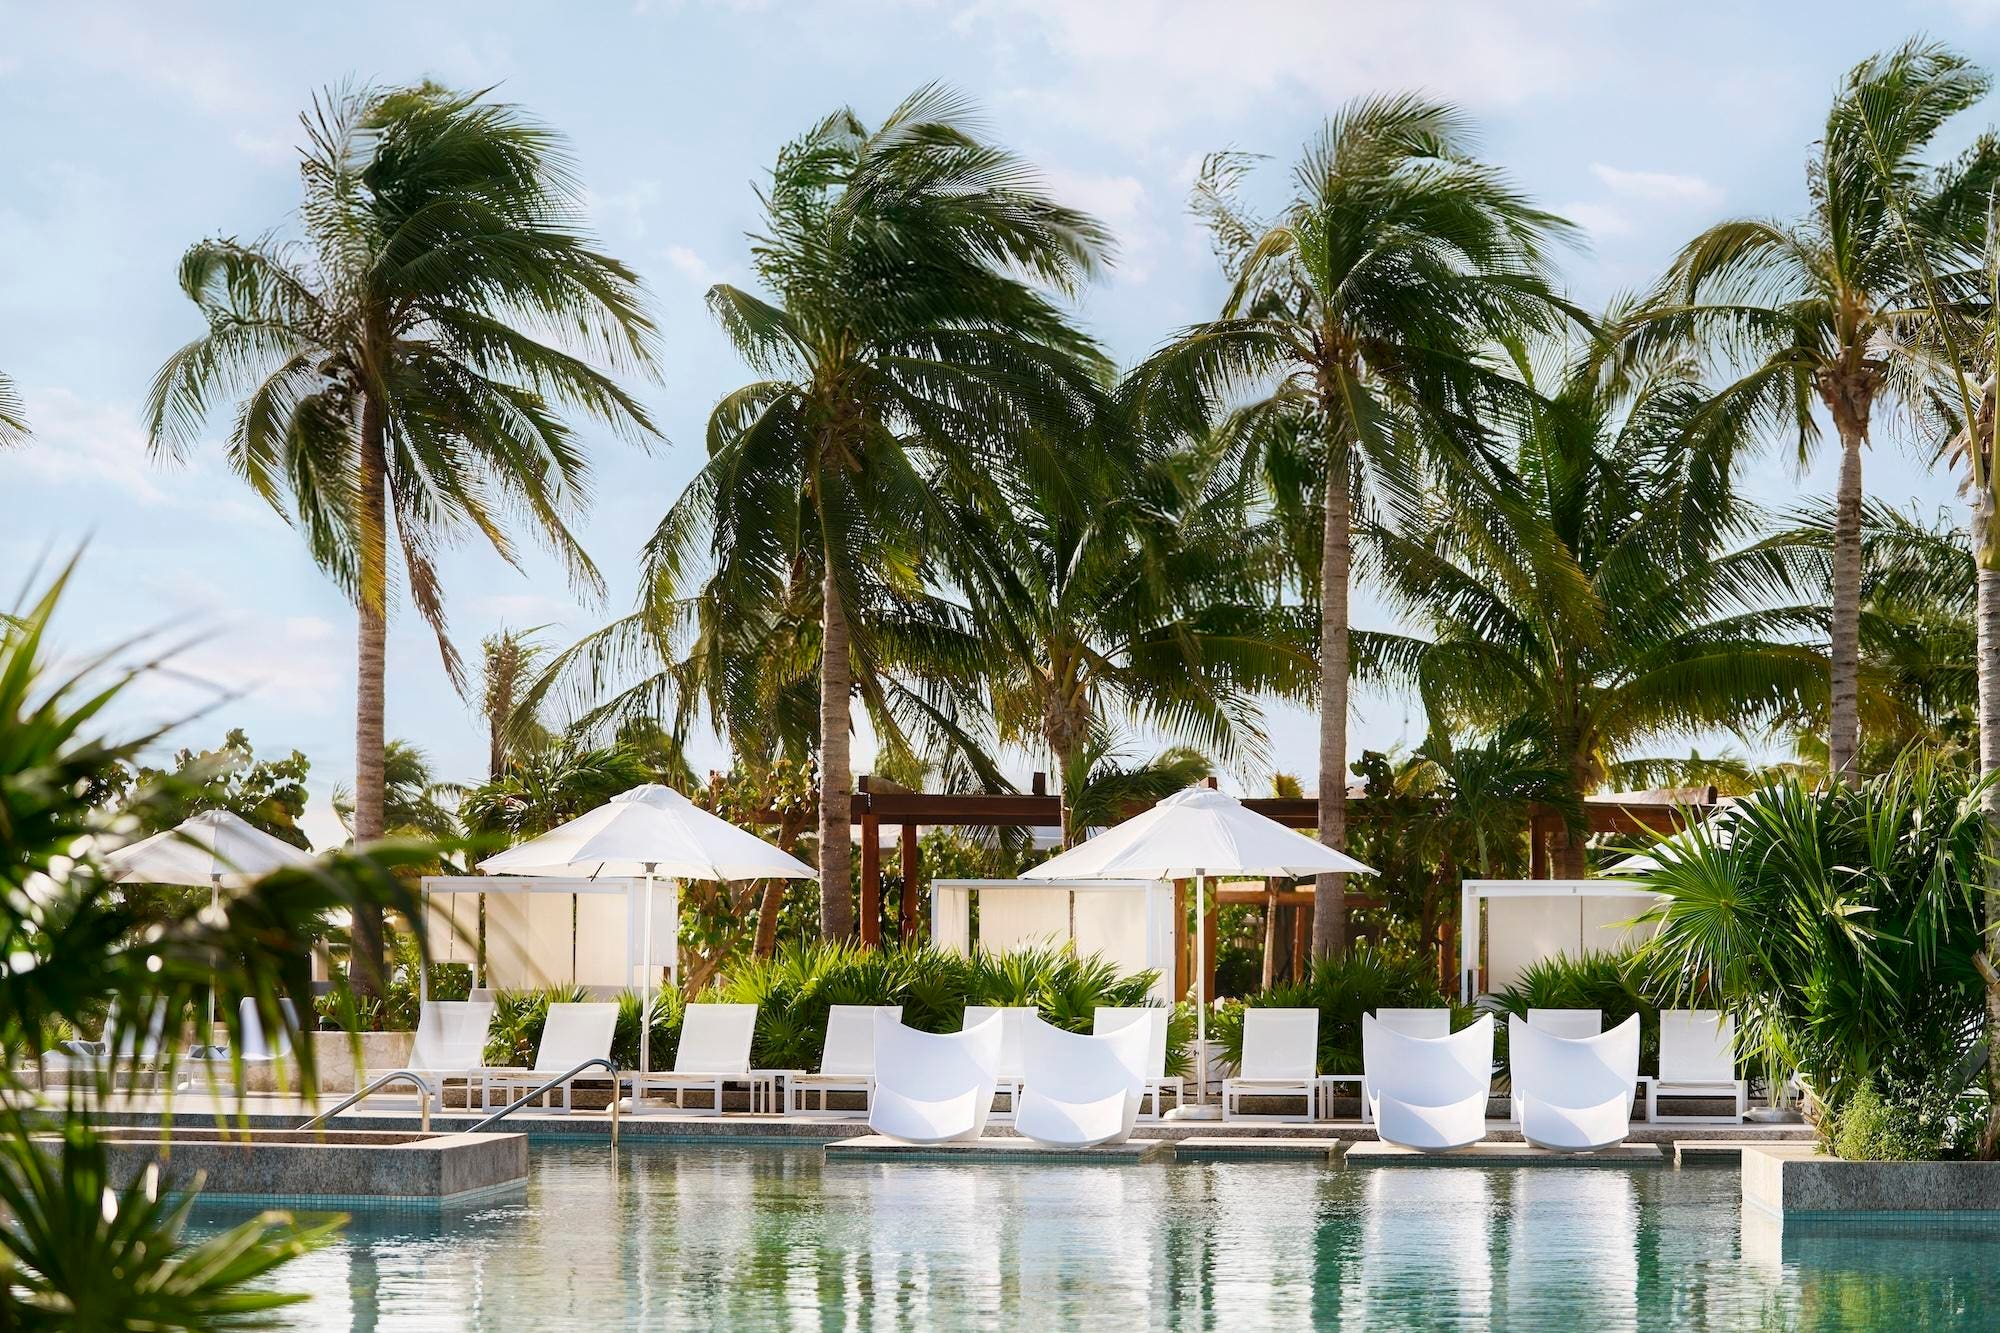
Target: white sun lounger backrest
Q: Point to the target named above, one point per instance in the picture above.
(254, 1044)
(451, 1034)
(1697, 1046)
(1014, 1020)
(125, 1044)
(850, 1038)
(715, 1039)
(1280, 1044)
(1574, 1093)
(1416, 1022)
(933, 1087)
(1427, 1071)
(575, 1033)
(1567, 1022)
(1109, 1019)
(1081, 1091)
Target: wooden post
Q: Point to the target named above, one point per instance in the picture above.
(1302, 929)
(1538, 849)
(1183, 971)
(1270, 933)
(871, 881)
(911, 866)
(1208, 952)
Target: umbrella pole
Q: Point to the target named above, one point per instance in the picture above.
(1200, 992)
(214, 906)
(646, 995)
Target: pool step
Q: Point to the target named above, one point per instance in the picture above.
(1219, 1149)
(1502, 1154)
(882, 1148)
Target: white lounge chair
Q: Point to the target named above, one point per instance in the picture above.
(137, 1051)
(1428, 1093)
(450, 1045)
(1280, 1059)
(1014, 1020)
(1697, 1059)
(714, 1052)
(1435, 1022)
(846, 1062)
(253, 1046)
(933, 1087)
(1081, 1091)
(1567, 1022)
(1573, 1094)
(1109, 1019)
(571, 1034)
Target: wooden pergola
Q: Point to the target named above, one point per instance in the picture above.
(879, 802)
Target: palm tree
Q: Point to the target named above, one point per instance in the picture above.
(508, 662)
(909, 334)
(551, 786)
(1820, 311)
(1595, 594)
(1360, 313)
(1133, 594)
(408, 365)
(415, 804)
(13, 423)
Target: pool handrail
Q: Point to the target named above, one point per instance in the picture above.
(393, 1076)
(551, 1085)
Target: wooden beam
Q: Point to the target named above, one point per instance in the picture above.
(912, 865)
(1183, 973)
(871, 881)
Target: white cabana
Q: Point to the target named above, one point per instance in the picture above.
(647, 833)
(1528, 920)
(1194, 834)
(1129, 921)
(214, 848)
(544, 931)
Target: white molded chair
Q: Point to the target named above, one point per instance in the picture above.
(1008, 1074)
(1109, 1019)
(450, 1044)
(571, 1034)
(137, 1051)
(933, 1087)
(714, 1051)
(1280, 1059)
(1697, 1059)
(846, 1062)
(256, 1047)
(1081, 1091)
(1424, 1092)
(1573, 1094)
(1567, 1022)
(1428, 1023)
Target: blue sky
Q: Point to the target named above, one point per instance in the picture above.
(127, 132)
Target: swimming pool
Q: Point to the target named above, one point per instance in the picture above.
(764, 1237)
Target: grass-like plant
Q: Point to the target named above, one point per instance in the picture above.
(1363, 979)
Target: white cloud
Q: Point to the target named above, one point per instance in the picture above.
(298, 667)
(271, 150)
(520, 609)
(624, 210)
(1122, 204)
(81, 443)
(1597, 219)
(693, 267)
(1657, 186)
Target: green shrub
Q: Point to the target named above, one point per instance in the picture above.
(1364, 979)
(1612, 983)
(1902, 1122)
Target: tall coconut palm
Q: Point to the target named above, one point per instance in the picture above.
(1130, 591)
(509, 662)
(407, 366)
(1598, 594)
(907, 333)
(1359, 315)
(1817, 312)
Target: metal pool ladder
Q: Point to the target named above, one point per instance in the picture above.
(424, 1095)
(550, 1086)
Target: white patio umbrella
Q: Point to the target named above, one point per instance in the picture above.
(646, 832)
(1191, 835)
(216, 848)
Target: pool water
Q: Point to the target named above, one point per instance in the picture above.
(675, 1237)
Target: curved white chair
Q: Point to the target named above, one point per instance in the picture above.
(1153, 1017)
(1428, 1093)
(1573, 1094)
(1081, 1091)
(933, 1087)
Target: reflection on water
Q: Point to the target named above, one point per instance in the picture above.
(749, 1238)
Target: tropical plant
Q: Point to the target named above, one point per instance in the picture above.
(910, 333)
(508, 662)
(1613, 984)
(1125, 590)
(1358, 982)
(1597, 597)
(13, 421)
(1841, 926)
(1823, 311)
(1101, 785)
(268, 794)
(407, 367)
(82, 1249)
(415, 804)
(550, 786)
(1361, 314)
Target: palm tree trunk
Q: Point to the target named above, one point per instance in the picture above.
(1844, 731)
(836, 779)
(1987, 615)
(365, 961)
(1330, 891)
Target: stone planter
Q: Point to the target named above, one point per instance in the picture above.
(333, 1052)
(1795, 1181)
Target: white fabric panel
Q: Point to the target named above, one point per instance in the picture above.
(1011, 919)
(1521, 931)
(1603, 928)
(951, 919)
(452, 919)
(511, 961)
(1113, 924)
(665, 952)
(600, 940)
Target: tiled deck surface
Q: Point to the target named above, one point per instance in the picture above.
(1385, 1155)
